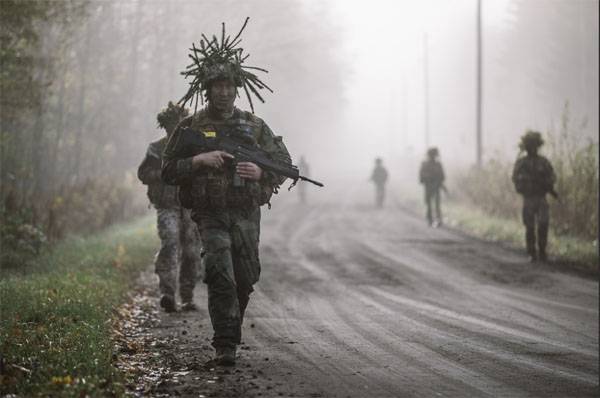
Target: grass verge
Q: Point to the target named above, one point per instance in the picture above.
(575, 252)
(55, 313)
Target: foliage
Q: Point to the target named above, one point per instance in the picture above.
(20, 240)
(92, 205)
(55, 327)
(81, 83)
(575, 163)
(578, 253)
(88, 207)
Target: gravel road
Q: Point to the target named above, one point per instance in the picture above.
(359, 302)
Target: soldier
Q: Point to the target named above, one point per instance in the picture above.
(431, 175)
(178, 234)
(304, 169)
(379, 178)
(225, 197)
(534, 177)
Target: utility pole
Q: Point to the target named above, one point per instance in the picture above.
(479, 99)
(426, 87)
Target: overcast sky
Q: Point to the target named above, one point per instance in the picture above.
(384, 47)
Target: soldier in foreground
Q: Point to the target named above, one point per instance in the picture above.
(180, 241)
(534, 177)
(379, 178)
(431, 175)
(225, 195)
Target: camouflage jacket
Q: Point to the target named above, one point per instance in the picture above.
(210, 188)
(160, 194)
(431, 174)
(533, 176)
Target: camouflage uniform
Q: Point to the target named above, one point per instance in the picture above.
(379, 177)
(178, 234)
(431, 175)
(534, 177)
(228, 217)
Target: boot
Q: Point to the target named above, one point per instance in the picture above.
(225, 356)
(189, 306)
(167, 302)
(187, 301)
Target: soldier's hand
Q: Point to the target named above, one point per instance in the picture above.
(214, 159)
(249, 171)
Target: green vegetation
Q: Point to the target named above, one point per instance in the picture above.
(575, 163)
(56, 312)
(577, 252)
(488, 206)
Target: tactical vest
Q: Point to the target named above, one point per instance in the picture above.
(222, 188)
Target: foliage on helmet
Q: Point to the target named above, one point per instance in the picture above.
(531, 139)
(172, 114)
(221, 59)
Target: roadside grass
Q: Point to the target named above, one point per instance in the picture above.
(56, 312)
(574, 251)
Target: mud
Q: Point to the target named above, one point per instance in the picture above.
(357, 302)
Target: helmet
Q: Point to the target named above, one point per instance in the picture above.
(433, 152)
(531, 139)
(171, 115)
(216, 59)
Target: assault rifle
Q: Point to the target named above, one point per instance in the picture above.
(192, 142)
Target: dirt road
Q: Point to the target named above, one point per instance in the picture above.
(359, 302)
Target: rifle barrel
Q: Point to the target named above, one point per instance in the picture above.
(313, 181)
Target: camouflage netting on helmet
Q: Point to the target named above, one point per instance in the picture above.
(171, 114)
(531, 139)
(221, 59)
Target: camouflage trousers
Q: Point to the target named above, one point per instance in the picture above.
(536, 212)
(432, 198)
(179, 244)
(230, 242)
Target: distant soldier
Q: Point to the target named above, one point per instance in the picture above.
(431, 175)
(304, 170)
(379, 178)
(180, 239)
(534, 177)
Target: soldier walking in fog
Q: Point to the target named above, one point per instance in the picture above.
(305, 170)
(431, 175)
(225, 195)
(379, 178)
(180, 240)
(534, 177)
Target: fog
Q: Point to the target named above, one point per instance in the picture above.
(349, 77)
(352, 80)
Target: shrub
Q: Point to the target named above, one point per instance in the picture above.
(27, 225)
(20, 241)
(575, 162)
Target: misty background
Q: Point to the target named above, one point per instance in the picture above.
(83, 81)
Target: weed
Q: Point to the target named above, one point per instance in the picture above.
(56, 313)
